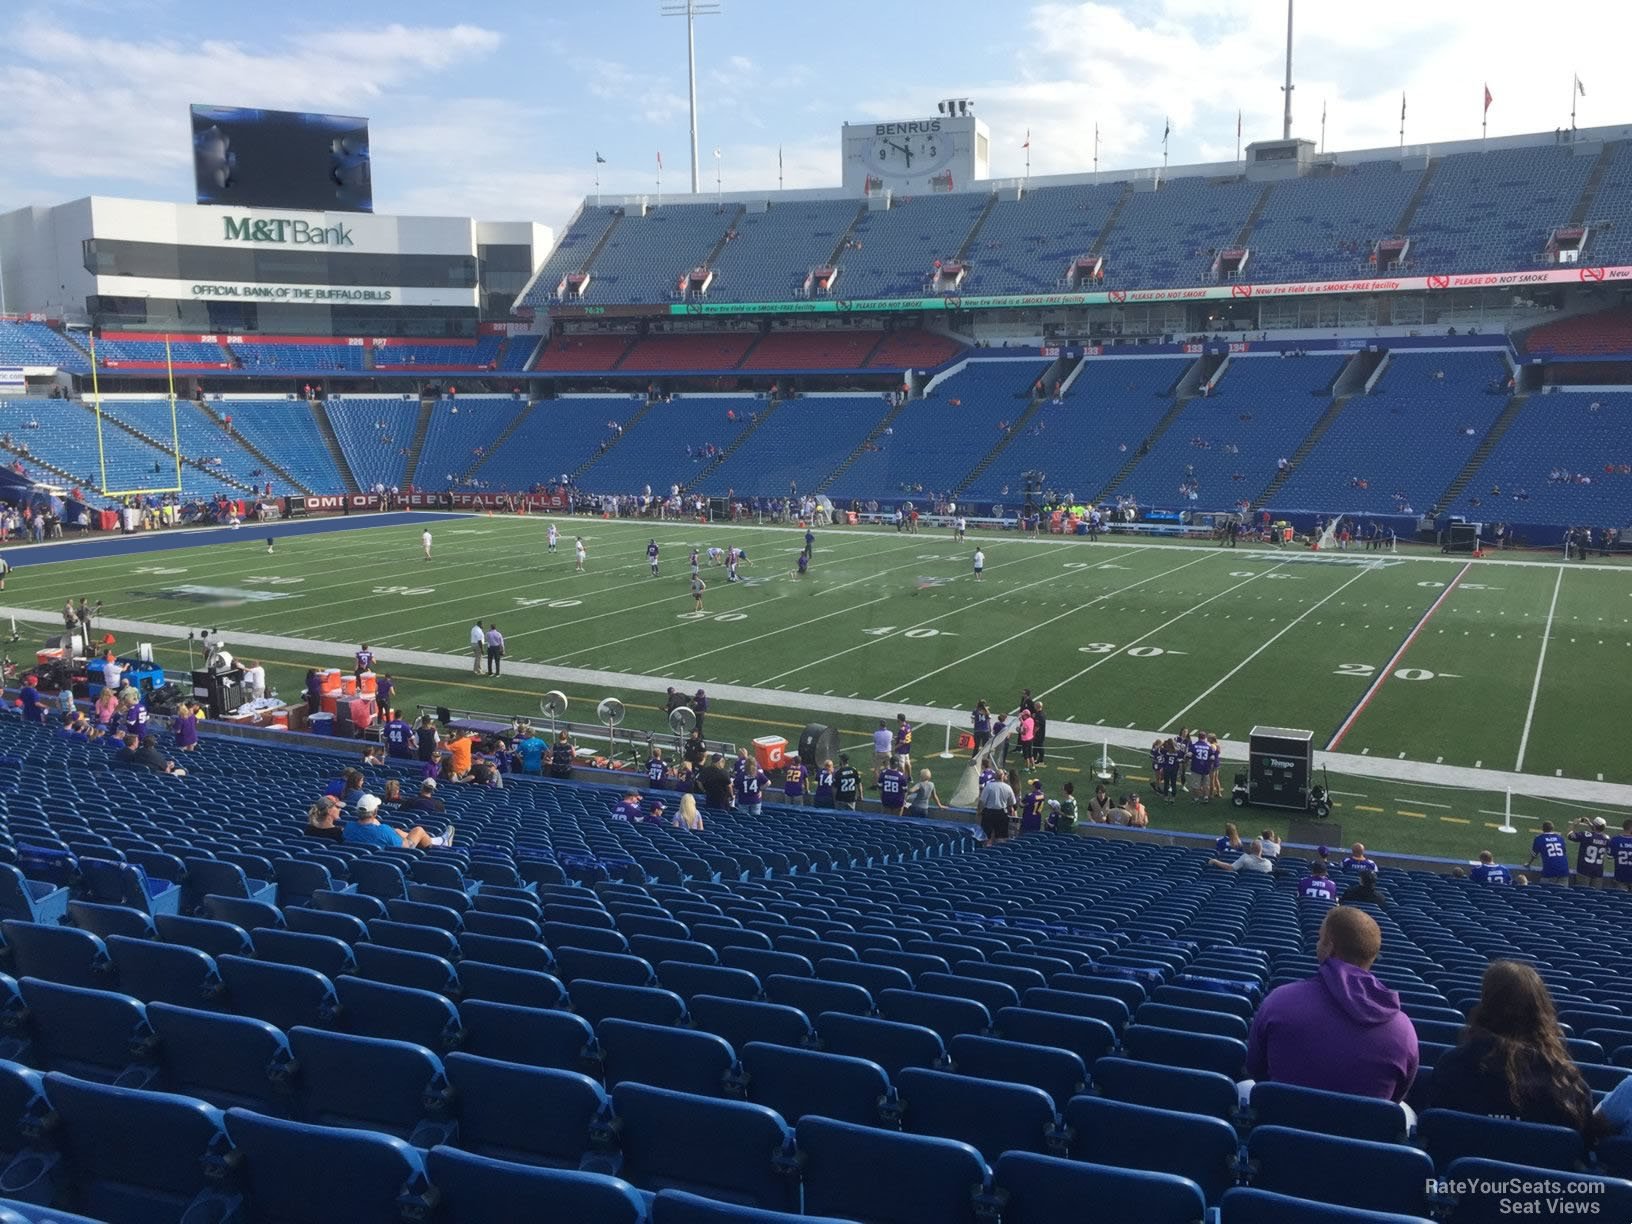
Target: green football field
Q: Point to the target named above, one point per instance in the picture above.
(1470, 666)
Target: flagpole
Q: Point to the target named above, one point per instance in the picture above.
(1238, 139)
(1028, 158)
(660, 180)
(779, 167)
(1575, 92)
(1484, 120)
(1323, 125)
(1402, 121)
(597, 180)
(1096, 153)
(1167, 128)
(719, 191)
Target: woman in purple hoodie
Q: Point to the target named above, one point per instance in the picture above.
(1341, 1030)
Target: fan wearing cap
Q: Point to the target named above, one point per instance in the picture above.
(366, 830)
(1594, 849)
(426, 800)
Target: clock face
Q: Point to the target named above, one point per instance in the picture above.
(913, 155)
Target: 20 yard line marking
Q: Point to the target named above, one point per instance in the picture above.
(1386, 672)
(1541, 660)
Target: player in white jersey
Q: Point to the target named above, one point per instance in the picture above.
(959, 527)
(554, 536)
(579, 553)
(425, 542)
(980, 563)
(716, 556)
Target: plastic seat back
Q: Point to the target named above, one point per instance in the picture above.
(861, 1172)
(991, 1116)
(798, 1083)
(731, 1150)
(1379, 1176)
(474, 1187)
(680, 1059)
(401, 1013)
(383, 1175)
(1047, 1189)
(1160, 1140)
(225, 1060)
(373, 1083)
(1059, 1073)
(526, 1035)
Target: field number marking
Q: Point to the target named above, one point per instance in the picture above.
(547, 603)
(1133, 652)
(886, 630)
(404, 590)
(1364, 670)
(713, 616)
(273, 580)
(161, 569)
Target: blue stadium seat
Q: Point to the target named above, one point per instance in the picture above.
(137, 1155)
(282, 995)
(862, 1173)
(597, 1001)
(872, 978)
(680, 1059)
(657, 949)
(208, 936)
(890, 1045)
(1198, 1051)
(411, 937)
(1378, 1176)
(1129, 991)
(29, 1169)
(105, 920)
(378, 1009)
(678, 1207)
(740, 1021)
(1088, 1039)
(1111, 1010)
(213, 877)
(384, 1177)
(799, 1083)
(765, 964)
(730, 1150)
(92, 1034)
(520, 925)
(225, 1060)
(526, 1035)
(1448, 1135)
(1058, 1072)
(1582, 1195)
(476, 1189)
(1191, 1020)
(991, 1116)
(29, 900)
(947, 1015)
(1244, 1205)
(419, 913)
(688, 980)
(1159, 1140)
(59, 954)
(246, 912)
(357, 904)
(329, 956)
(164, 973)
(372, 1083)
(1328, 1113)
(418, 970)
(128, 884)
(576, 963)
(1047, 1189)
(502, 950)
(298, 879)
(502, 984)
(529, 1115)
(814, 996)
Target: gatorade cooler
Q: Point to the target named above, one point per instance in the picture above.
(280, 721)
(768, 750)
(348, 686)
(331, 679)
(329, 703)
(367, 684)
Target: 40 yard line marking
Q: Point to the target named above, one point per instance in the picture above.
(1541, 661)
(1387, 671)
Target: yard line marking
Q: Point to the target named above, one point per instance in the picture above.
(1418, 802)
(1541, 660)
(931, 620)
(1290, 625)
(1360, 807)
(1348, 794)
(1032, 628)
(1478, 764)
(1455, 820)
(1386, 672)
(1418, 815)
(1173, 620)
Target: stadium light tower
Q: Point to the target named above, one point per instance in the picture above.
(1286, 115)
(691, 10)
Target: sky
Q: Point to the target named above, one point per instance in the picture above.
(498, 110)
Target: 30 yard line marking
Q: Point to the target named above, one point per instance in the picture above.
(1386, 672)
(1541, 660)
(1290, 625)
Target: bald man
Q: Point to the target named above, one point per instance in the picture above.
(1341, 1030)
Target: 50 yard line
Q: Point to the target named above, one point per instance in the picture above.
(1541, 661)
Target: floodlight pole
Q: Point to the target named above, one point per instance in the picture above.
(691, 10)
(1286, 114)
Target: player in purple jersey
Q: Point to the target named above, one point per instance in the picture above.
(365, 659)
(657, 769)
(892, 788)
(1594, 849)
(793, 779)
(628, 811)
(751, 789)
(651, 556)
(1488, 871)
(1318, 885)
(1201, 766)
(1554, 855)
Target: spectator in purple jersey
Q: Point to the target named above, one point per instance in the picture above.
(1341, 1030)
(1357, 860)
(1488, 871)
(1318, 885)
(1554, 854)
(751, 785)
(1032, 805)
(1201, 765)
(628, 809)
(1594, 849)
(892, 788)
(1620, 854)
(824, 785)
(365, 659)
(793, 779)
(657, 769)
(699, 707)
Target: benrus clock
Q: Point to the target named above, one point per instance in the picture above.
(915, 156)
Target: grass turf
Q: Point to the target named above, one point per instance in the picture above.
(1419, 658)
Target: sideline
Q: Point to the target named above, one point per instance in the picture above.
(1577, 789)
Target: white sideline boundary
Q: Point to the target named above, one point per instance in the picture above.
(1576, 789)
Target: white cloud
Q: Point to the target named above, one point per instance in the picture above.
(81, 109)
